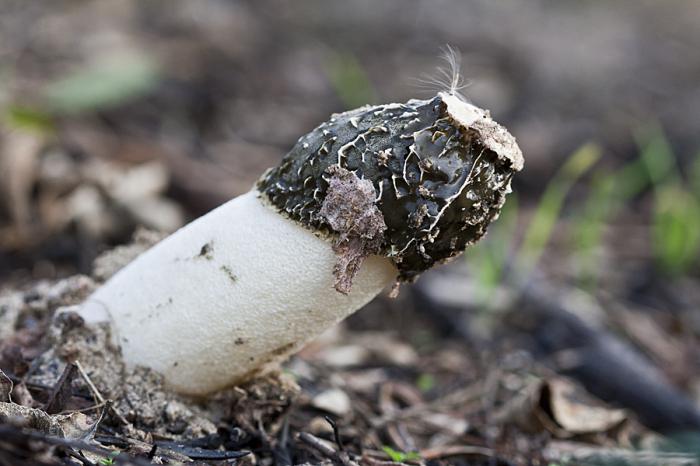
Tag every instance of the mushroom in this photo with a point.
(371, 197)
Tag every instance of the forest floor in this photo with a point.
(408, 380)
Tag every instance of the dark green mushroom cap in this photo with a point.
(440, 170)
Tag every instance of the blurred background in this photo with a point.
(119, 115)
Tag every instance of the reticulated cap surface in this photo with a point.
(440, 169)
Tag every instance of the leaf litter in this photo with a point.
(346, 399)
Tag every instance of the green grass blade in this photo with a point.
(350, 81)
(547, 212)
(676, 212)
(102, 85)
(695, 176)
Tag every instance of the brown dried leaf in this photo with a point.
(62, 391)
(576, 411)
(560, 407)
(70, 426)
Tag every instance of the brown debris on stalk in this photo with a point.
(349, 209)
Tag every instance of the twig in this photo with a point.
(336, 433)
(93, 389)
(456, 398)
(375, 462)
(318, 445)
(98, 396)
(456, 450)
(83, 410)
(281, 452)
(78, 455)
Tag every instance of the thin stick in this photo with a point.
(98, 396)
(93, 389)
(336, 433)
(318, 445)
(83, 410)
(456, 450)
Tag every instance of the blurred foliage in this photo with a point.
(350, 81)
(544, 219)
(102, 85)
(19, 117)
(674, 216)
(609, 192)
(95, 87)
(588, 227)
(425, 382)
(399, 456)
(676, 210)
(694, 176)
(676, 229)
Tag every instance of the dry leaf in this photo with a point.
(69, 426)
(576, 411)
(560, 407)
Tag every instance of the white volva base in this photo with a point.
(262, 288)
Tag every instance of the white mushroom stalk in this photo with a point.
(372, 196)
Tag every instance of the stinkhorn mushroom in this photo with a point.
(371, 197)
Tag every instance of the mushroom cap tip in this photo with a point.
(495, 136)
